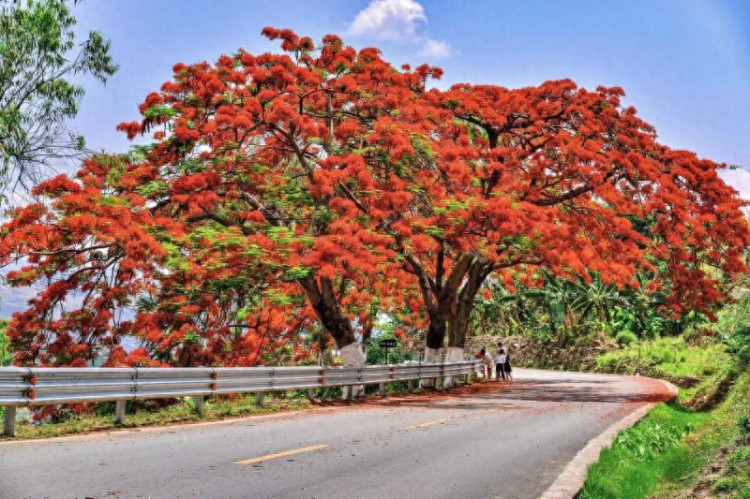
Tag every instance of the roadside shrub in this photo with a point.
(738, 345)
(649, 438)
(744, 425)
(626, 337)
(739, 459)
(6, 356)
(727, 484)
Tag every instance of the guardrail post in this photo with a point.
(411, 385)
(259, 396)
(349, 392)
(311, 394)
(382, 389)
(199, 405)
(9, 423)
(120, 412)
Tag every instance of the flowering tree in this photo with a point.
(325, 185)
(507, 182)
(230, 215)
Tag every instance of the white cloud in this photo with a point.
(389, 20)
(435, 49)
(398, 21)
(739, 179)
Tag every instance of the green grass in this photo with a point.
(670, 358)
(644, 455)
(665, 453)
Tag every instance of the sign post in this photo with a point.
(386, 344)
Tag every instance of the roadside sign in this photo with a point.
(386, 344)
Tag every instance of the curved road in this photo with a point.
(491, 440)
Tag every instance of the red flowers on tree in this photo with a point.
(324, 185)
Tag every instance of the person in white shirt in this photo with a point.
(500, 358)
(488, 363)
(486, 359)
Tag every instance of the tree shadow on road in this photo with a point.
(507, 395)
(522, 393)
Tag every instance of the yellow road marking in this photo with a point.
(281, 454)
(425, 425)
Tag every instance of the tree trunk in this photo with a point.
(435, 337)
(323, 300)
(366, 335)
(458, 325)
(453, 354)
(460, 313)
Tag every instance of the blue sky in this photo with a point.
(685, 64)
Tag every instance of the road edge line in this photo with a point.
(572, 478)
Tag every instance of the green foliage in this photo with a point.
(651, 438)
(151, 188)
(685, 441)
(672, 358)
(295, 273)
(277, 298)
(376, 355)
(626, 337)
(732, 324)
(729, 483)
(738, 345)
(160, 111)
(739, 458)
(565, 308)
(744, 425)
(6, 356)
(39, 54)
(644, 455)
(736, 315)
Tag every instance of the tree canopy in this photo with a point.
(39, 57)
(323, 185)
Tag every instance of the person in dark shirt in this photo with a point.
(507, 369)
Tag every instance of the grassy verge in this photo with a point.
(703, 373)
(665, 455)
(670, 358)
(644, 455)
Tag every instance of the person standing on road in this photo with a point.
(501, 346)
(486, 359)
(500, 359)
(507, 369)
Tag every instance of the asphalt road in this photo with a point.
(495, 440)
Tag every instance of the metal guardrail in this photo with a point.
(36, 386)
